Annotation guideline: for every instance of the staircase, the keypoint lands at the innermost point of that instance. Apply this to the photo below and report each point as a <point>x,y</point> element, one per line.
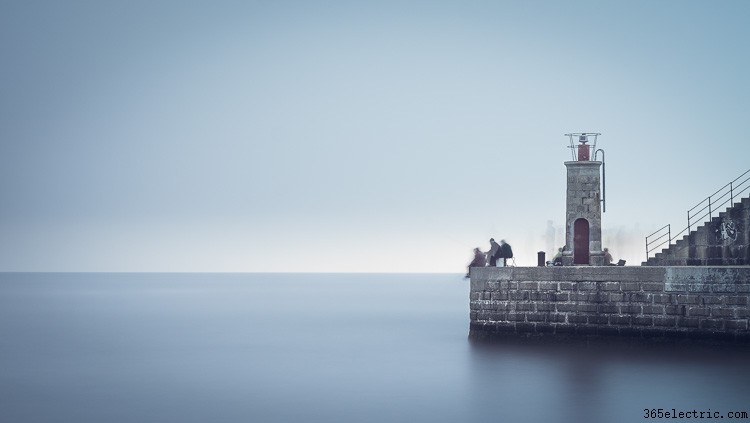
<point>722,240</point>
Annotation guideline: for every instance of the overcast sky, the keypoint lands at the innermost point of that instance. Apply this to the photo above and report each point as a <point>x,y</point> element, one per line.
<point>353,136</point>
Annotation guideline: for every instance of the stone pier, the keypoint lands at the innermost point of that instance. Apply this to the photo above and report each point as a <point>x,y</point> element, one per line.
<point>640,303</point>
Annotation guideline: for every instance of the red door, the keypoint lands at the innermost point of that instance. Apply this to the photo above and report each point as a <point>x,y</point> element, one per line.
<point>581,242</point>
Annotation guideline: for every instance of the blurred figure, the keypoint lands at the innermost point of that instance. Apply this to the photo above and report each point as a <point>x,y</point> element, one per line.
<point>607,258</point>
<point>492,253</point>
<point>480,260</point>
<point>550,237</point>
<point>557,260</point>
<point>505,252</point>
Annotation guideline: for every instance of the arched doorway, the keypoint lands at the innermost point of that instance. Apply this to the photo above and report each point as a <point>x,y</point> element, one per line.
<point>581,241</point>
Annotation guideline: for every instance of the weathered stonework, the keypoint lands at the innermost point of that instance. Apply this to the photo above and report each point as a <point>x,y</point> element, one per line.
<point>645,303</point>
<point>583,202</point>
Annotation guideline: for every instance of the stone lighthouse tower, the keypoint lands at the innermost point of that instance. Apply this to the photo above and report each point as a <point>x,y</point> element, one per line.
<point>583,215</point>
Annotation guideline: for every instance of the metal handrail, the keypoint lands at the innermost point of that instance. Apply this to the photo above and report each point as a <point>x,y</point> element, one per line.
<point>713,202</point>
<point>658,230</point>
<point>649,244</point>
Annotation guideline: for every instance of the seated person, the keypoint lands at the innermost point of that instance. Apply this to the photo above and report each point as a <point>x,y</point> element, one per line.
<point>557,260</point>
<point>480,260</point>
<point>505,252</point>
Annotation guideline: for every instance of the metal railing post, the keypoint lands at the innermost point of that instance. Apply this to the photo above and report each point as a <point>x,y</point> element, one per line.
<point>688,222</point>
<point>669,231</point>
<point>731,195</point>
<point>709,209</point>
<point>604,180</point>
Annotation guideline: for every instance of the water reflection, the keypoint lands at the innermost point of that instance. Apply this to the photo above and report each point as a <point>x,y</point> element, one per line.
<point>596,383</point>
<point>314,348</point>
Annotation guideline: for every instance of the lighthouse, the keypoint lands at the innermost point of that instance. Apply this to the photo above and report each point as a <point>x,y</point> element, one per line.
<point>583,213</point>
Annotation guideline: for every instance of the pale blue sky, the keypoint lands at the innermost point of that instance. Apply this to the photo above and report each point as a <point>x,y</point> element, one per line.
<point>353,135</point>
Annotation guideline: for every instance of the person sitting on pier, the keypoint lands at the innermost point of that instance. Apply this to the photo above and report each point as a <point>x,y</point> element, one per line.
<point>607,258</point>
<point>492,254</point>
<point>505,252</point>
<point>479,261</point>
<point>557,260</point>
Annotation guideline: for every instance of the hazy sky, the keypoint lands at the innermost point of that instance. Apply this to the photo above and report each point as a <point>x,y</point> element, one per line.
<point>353,135</point>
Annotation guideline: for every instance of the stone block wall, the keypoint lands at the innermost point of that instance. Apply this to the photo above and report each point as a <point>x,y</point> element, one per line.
<point>583,202</point>
<point>674,303</point>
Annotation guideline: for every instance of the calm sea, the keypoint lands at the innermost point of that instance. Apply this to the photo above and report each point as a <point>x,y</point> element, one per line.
<point>111,348</point>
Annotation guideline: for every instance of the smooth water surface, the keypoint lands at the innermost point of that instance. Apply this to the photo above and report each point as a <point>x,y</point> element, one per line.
<point>315,348</point>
